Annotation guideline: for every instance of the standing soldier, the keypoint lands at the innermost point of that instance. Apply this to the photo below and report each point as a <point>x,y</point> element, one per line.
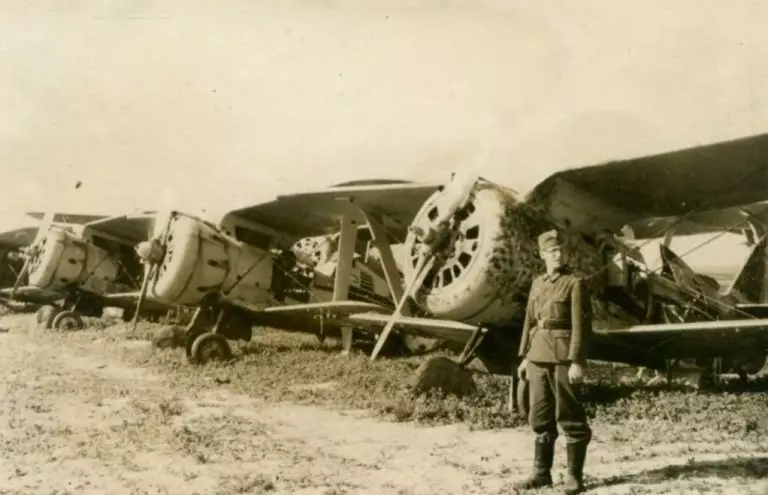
<point>557,326</point>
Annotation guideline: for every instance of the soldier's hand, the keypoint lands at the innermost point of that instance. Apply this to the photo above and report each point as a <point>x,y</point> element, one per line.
<point>521,370</point>
<point>575,373</point>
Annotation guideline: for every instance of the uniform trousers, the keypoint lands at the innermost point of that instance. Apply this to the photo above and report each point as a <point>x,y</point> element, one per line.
<point>553,402</point>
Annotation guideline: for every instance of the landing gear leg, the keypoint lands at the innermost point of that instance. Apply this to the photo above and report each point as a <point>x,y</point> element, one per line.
<point>45,315</point>
<point>203,346</point>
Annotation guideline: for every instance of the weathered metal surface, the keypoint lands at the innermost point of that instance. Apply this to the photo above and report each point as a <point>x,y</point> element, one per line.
<point>485,270</point>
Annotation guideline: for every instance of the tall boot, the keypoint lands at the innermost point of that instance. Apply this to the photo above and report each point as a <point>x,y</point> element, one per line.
<point>577,453</point>
<point>542,466</point>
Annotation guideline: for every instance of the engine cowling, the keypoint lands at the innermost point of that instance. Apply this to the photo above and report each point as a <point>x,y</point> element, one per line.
<point>484,270</point>
<point>198,260</point>
<point>64,259</point>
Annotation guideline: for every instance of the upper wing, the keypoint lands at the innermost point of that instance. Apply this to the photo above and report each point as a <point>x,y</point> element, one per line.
<point>611,195</point>
<point>131,228</point>
<point>74,218</point>
<point>733,220</point>
<point>314,213</point>
<point>18,238</point>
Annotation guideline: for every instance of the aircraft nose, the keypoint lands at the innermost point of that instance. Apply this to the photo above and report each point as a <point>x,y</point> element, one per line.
<point>150,251</point>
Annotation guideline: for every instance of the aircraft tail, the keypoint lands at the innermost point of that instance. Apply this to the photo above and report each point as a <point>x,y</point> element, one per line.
<point>750,286</point>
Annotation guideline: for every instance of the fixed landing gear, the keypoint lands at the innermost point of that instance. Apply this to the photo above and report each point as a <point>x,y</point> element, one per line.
<point>208,347</point>
<point>51,317</point>
<point>68,321</point>
<point>206,340</point>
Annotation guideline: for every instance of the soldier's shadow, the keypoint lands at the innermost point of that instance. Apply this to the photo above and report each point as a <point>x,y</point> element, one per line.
<point>735,467</point>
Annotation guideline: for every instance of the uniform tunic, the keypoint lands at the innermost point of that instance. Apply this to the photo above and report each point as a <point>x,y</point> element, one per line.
<point>555,334</point>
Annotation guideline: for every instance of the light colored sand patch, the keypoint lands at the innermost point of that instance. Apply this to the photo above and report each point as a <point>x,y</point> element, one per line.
<point>74,419</point>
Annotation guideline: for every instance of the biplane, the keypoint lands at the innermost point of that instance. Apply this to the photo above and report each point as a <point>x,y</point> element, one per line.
<point>264,265</point>
<point>69,267</point>
<point>471,256</point>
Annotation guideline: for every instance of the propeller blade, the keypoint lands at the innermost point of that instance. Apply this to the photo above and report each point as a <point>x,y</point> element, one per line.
<point>16,284</point>
<point>148,275</point>
<point>43,227</point>
<point>32,250</point>
<point>159,233</point>
<point>422,268</point>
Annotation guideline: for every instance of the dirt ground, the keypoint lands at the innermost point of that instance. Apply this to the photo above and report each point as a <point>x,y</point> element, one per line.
<point>75,419</point>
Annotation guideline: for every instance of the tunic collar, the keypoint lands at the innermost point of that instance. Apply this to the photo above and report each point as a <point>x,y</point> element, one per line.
<point>554,276</point>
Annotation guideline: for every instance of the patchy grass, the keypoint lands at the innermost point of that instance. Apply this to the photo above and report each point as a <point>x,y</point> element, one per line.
<point>74,409</point>
<point>280,366</point>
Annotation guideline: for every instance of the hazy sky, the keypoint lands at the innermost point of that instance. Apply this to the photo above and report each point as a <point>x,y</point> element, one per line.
<point>231,102</point>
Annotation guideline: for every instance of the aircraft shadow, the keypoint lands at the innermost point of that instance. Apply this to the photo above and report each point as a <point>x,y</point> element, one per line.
<point>735,467</point>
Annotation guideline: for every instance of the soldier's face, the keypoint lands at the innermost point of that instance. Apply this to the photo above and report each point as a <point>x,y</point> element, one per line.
<point>552,257</point>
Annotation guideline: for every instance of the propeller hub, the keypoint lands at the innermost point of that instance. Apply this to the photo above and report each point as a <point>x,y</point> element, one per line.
<point>150,252</point>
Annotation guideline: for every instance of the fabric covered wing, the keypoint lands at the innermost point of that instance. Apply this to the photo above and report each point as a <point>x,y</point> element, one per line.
<point>325,317</point>
<point>133,228</point>
<point>74,218</point>
<point>318,212</point>
<point>610,195</point>
<point>684,340</point>
<point>733,220</point>
<point>453,331</point>
<point>128,300</point>
<point>30,294</point>
<point>18,238</point>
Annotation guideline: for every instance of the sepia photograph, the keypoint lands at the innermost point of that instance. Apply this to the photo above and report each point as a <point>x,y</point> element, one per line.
<point>383,247</point>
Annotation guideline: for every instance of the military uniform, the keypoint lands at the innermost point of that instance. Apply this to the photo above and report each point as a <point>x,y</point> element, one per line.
<point>555,333</point>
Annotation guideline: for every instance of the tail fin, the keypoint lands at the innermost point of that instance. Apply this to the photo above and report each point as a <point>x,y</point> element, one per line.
<point>750,284</point>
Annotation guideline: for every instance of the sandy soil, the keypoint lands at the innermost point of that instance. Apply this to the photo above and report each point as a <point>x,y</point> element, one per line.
<point>73,419</point>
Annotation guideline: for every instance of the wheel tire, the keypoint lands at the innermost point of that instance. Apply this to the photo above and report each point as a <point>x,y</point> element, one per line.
<point>68,321</point>
<point>44,316</point>
<point>211,347</point>
<point>190,337</point>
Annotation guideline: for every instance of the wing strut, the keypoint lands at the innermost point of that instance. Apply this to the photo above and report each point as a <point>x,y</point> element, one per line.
<point>347,239</point>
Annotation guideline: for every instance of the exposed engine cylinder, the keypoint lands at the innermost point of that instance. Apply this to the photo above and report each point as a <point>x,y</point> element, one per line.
<point>197,260</point>
<point>484,271</point>
<point>63,259</point>
<point>316,250</point>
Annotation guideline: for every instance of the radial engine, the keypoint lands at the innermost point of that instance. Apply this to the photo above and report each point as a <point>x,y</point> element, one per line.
<point>486,264</point>
<point>63,259</point>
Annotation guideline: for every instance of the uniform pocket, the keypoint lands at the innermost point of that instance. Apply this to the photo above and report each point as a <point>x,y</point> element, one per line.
<point>562,344</point>
<point>561,309</point>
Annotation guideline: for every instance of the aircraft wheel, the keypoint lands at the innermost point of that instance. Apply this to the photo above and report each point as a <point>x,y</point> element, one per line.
<point>68,321</point>
<point>189,339</point>
<point>210,347</point>
<point>44,316</point>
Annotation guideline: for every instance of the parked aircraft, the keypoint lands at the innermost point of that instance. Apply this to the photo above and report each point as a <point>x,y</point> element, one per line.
<point>472,257</point>
<point>471,248</point>
<point>262,265</point>
<point>69,267</point>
